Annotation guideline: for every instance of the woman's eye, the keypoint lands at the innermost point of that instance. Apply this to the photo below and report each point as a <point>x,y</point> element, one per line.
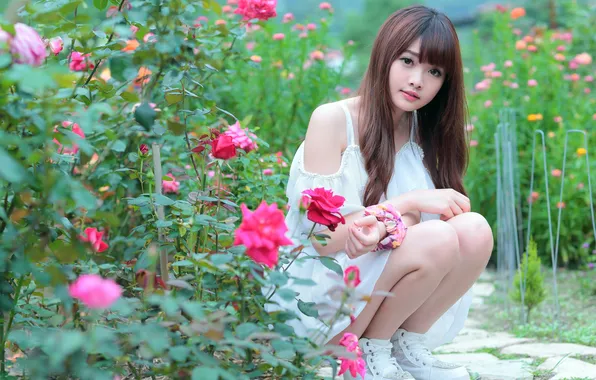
<point>436,72</point>
<point>407,61</point>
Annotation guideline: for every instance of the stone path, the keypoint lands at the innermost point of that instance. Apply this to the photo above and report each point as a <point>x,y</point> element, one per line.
<point>502,356</point>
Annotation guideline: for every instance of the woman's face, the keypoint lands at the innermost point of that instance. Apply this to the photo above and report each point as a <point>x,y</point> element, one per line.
<point>413,84</point>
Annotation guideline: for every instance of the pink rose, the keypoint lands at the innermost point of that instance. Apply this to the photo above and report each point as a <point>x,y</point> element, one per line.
<point>241,137</point>
<point>260,9</point>
<point>223,147</point>
<point>262,232</point>
<point>27,46</point>
<point>325,6</point>
<point>324,207</point>
<point>56,45</point>
<point>267,172</point>
<point>355,366</point>
<point>80,62</point>
<point>94,291</point>
<point>317,55</point>
<point>352,276</point>
<point>170,186</point>
<point>287,18</point>
<point>279,36</point>
<point>94,237</point>
<point>77,130</point>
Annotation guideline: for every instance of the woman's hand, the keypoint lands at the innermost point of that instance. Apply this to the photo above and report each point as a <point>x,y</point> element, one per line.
<point>364,235</point>
<point>445,202</point>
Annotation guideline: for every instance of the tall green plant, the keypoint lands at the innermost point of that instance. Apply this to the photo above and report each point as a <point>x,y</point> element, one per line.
<point>530,276</point>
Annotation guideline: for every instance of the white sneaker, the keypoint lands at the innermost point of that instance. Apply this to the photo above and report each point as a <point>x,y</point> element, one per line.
<point>411,353</point>
<point>379,363</point>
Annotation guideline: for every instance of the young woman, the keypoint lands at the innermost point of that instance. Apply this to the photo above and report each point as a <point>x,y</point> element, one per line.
<point>400,144</point>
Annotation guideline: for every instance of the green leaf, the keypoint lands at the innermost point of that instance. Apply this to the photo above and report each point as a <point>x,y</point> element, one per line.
<point>130,97</point>
<point>331,264</point>
<point>145,115</point>
<point>119,146</point>
<point>100,4</point>
<point>10,169</point>
<point>174,96</point>
<point>176,128</point>
<point>64,252</point>
<point>278,278</point>
<point>162,200</point>
<point>244,330</point>
<point>183,263</point>
<point>163,223</point>
<point>308,308</point>
<point>179,353</point>
<point>205,373</point>
<point>287,294</point>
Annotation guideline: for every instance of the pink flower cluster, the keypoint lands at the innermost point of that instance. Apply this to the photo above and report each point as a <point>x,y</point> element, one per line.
<point>355,366</point>
<point>80,62</point>
<point>241,138</point>
<point>256,9</point>
<point>262,232</point>
<point>77,130</point>
<point>170,186</point>
<point>94,291</point>
<point>26,46</point>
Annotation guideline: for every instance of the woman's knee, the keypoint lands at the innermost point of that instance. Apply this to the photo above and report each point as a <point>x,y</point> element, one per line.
<point>440,246</point>
<point>474,233</point>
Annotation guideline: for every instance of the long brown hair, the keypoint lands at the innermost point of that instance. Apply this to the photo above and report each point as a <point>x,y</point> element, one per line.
<point>440,131</point>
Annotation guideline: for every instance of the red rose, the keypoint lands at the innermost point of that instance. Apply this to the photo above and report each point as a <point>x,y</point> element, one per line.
<point>144,149</point>
<point>223,147</point>
<point>324,207</point>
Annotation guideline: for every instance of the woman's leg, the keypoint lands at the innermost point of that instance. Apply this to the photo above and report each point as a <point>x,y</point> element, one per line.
<point>412,273</point>
<point>475,247</point>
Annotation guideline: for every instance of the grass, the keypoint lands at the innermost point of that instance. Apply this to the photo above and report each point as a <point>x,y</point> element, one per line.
<point>575,324</point>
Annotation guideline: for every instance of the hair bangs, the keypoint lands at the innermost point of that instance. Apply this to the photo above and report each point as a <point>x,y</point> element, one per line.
<point>439,46</point>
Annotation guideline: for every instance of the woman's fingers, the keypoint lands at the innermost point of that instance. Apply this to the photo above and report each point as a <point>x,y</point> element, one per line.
<point>369,220</point>
<point>365,236</point>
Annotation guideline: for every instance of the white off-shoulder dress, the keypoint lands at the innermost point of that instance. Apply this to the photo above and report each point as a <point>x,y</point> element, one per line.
<point>350,181</point>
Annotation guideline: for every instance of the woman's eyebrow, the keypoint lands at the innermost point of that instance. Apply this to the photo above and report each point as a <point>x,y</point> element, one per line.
<point>412,52</point>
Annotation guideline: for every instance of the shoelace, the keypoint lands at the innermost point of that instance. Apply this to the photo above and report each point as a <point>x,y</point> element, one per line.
<point>419,351</point>
<point>382,355</point>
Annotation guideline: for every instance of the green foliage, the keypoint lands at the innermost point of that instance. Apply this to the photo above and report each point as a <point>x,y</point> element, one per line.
<point>530,276</point>
<point>562,100</point>
<point>174,92</point>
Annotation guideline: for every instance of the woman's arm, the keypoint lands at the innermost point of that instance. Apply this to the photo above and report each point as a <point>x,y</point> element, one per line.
<point>338,238</point>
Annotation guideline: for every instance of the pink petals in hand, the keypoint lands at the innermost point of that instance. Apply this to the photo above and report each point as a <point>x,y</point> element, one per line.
<point>94,291</point>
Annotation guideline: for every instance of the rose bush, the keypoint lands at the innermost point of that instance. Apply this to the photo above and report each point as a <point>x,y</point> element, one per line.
<point>127,146</point>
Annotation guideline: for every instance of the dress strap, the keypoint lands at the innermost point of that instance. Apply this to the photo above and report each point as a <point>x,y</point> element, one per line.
<point>349,125</point>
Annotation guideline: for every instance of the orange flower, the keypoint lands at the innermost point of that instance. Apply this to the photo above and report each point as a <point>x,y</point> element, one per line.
<point>131,45</point>
<point>581,151</point>
<point>534,117</point>
<point>143,76</point>
<point>517,13</point>
<point>529,39</point>
<point>520,45</point>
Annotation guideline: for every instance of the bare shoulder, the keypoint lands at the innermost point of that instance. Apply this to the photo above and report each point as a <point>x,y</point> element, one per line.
<point>325,139</point>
